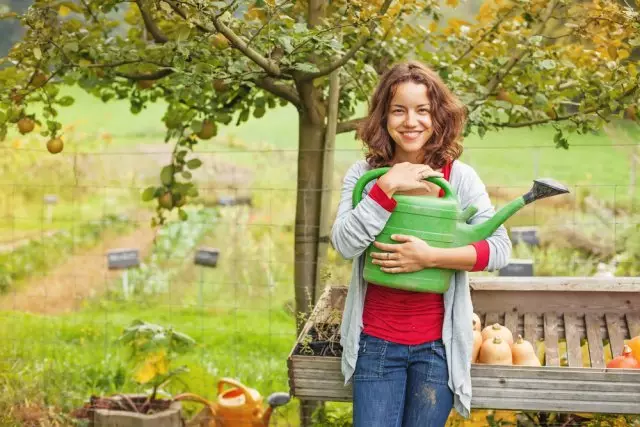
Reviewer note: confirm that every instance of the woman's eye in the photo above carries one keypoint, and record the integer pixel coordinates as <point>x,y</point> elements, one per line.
<point>424,111</point>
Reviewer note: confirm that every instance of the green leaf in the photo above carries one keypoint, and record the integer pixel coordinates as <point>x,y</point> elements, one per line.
<point>186,175</point>
<point>194,164</point>
<point>148,194</point>
<point>286,43</point>
<point>183,33</point>
<point>540,99</point>
<point>306,67</point>
<point>37,53</point>
<point>66,101</point>
<point>548,64</point>
<point>258,112</point>
<point>183,215</point>
<point>166,175</point>
<point>71,47</point>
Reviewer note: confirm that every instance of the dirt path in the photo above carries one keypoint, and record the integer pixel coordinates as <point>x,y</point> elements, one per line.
<point>81,276</point>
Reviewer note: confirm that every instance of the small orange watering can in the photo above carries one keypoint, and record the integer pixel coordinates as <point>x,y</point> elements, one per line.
<point>238,406</point>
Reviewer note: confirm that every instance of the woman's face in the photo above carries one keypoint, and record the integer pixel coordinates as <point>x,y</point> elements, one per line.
<point>409,121</point>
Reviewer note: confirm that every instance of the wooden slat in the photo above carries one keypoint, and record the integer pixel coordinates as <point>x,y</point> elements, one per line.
<point>530,324</point>
<point>633,321</point>
<point>555,405</point>
<point>574,354</point>
<point>551,339</point>
<point>491,318</point>
<point>327,395</point>
<point>616,337</point>
<point>560,284</point>
<point>556,373</point>
<point>327,364</point>
<point>511,323</point>
<point>555,394</point>
<point>574,386</point>
<point>596,351</point>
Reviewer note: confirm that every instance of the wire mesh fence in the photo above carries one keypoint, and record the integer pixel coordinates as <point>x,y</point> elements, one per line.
<point>63,307</point>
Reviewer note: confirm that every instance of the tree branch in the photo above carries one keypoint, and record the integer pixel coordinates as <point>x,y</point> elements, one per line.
<point>150,24</point>
<point>591,110</point>
<point>351,52</point>
<point>349,125</point>
<point>278,89</point>
<point>484,36</point>
<point>501,74</point>
<point>236,41</point>
<point>163,72</point>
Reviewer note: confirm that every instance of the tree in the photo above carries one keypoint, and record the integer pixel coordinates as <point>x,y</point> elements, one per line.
<point>522,63</point>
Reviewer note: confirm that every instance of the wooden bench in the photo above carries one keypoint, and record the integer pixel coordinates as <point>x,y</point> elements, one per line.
<point>575,322</point>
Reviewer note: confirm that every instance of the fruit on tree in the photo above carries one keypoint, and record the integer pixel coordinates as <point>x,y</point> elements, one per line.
<point>26,125</point>
<point>55,145</point>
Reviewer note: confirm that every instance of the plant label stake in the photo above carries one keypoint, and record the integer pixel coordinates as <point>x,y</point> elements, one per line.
<point>123,259</point>
<point>518,267</point>
<point>206,257</point>
<point>50,200</point>
<point>527,235</point>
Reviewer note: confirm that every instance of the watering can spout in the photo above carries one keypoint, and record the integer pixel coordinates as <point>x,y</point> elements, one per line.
<point>542,188</point>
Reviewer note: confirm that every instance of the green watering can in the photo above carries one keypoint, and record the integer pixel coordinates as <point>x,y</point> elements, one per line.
<point>440,223</point>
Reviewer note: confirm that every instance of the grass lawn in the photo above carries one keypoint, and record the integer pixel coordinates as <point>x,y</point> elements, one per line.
<point>238,313</point>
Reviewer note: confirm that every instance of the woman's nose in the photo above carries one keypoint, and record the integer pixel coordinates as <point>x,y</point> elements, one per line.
<point>410,120</point>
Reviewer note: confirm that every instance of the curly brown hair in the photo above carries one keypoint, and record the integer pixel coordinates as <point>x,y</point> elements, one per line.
<point>448,117</point>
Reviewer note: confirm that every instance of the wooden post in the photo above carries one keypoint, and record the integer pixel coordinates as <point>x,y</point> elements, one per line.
<point>327,181</point>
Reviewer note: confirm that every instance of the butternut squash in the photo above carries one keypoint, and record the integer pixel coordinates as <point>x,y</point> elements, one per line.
<point>495,351</point>
<point>477,343</point>
<point>523,353</point>
<point>497,330</point>
<point>477,325</point>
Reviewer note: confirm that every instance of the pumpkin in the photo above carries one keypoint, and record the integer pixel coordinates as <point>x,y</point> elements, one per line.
<point>634,344</point>
<point>477,324</point>
<point>523,353</point>
<point>477,343</point>
<point>497,330</point>
<point>495,351</point>
<point>624,361</point>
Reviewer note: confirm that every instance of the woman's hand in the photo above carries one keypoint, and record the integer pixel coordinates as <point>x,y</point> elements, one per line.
<point>412,254</point>
<point>405,177</point>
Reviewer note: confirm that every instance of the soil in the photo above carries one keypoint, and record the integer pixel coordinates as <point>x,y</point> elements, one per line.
<point>324,341</point>
<point>81,276</point>
<point>124,404</point>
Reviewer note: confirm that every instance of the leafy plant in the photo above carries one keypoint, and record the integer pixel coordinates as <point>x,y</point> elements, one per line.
<point>153,349</point>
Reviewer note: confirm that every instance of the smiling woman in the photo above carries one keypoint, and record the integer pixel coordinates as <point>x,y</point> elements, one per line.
<point>398,346</point>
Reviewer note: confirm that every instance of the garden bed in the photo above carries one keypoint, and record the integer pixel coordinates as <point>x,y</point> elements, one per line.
<point>575,322</point>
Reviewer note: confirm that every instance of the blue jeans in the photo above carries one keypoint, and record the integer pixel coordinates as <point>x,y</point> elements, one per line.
<point>398,385</point>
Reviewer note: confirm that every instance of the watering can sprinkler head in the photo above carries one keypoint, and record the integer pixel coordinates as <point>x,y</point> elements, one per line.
<point>542,188</point>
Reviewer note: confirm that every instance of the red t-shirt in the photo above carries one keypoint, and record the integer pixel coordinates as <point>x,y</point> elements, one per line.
<point>407,317</point>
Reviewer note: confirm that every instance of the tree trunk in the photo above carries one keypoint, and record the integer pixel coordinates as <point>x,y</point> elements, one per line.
<point>311,143</point>
<point>309,195</point>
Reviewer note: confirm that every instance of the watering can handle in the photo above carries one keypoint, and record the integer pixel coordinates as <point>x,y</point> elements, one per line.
<point>237,384</point>
<point>377,173</point>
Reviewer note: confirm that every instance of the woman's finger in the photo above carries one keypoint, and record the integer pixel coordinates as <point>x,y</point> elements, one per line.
<point>392,269</point>
<point>402,238</point>
<point>389,247</point>
<point>386,263</point>
<point>384,255</point>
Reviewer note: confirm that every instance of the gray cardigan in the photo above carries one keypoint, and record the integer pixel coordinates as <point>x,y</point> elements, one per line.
<point>355,229</point>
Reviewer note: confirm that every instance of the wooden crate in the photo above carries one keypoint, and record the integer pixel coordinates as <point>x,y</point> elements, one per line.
<point>560,315</point>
